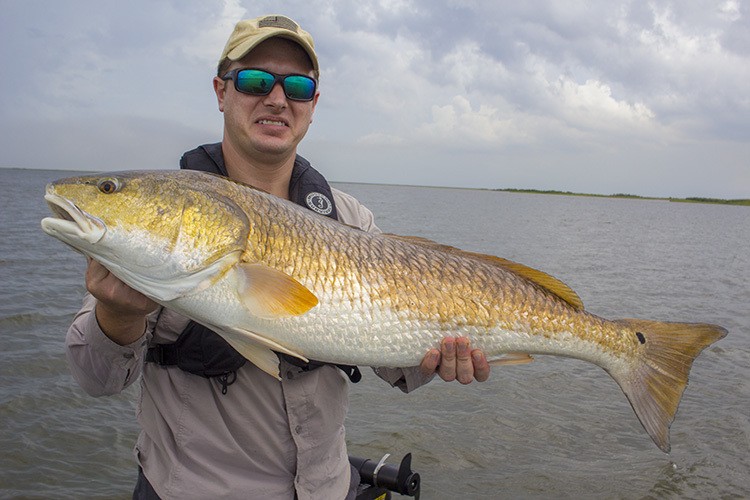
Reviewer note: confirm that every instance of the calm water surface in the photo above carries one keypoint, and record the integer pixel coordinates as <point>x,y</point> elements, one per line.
<point>555,428</point>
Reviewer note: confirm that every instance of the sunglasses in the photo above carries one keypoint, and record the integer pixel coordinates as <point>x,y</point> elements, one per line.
<point>261,82</point>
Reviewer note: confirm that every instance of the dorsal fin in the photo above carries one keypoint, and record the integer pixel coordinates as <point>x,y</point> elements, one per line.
<point>542,279</point>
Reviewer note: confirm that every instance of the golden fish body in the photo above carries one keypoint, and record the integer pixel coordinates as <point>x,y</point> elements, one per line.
<point>270,276</point>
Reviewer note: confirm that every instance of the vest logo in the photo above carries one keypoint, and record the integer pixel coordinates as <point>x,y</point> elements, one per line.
<point>319,202</point>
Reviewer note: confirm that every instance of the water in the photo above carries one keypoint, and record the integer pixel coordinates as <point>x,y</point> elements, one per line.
<point>555,428</point>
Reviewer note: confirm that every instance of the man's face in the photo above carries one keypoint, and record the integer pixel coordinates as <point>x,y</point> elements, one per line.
<point>267,127</point>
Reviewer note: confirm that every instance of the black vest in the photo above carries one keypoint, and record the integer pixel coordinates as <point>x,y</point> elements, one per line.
<point>201,351</point>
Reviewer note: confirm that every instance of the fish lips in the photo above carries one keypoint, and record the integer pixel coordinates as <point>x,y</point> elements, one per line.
<point>71,224</point>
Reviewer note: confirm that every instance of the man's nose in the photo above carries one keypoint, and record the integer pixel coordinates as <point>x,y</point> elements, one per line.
<point>276,97</point>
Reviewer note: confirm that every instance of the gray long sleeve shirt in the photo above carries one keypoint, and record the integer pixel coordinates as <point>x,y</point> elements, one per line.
<point>264,438</point>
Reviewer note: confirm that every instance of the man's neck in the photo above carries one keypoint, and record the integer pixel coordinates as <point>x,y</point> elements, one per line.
<point>271,176</point>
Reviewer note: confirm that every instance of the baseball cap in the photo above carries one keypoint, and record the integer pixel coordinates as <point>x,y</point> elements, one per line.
<point>249,33</point>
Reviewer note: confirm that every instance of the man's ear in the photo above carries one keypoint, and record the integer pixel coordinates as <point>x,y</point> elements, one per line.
<point>220,88</point>
<point>315,103</point>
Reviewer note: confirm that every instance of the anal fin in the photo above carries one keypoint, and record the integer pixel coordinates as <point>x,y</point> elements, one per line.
<point>511,358</point>
<point>257,349</point>
<point>262,357</point>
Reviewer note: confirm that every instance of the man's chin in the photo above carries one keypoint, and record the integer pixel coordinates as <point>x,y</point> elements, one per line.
<point>273,152</point>
<point>275,148</point>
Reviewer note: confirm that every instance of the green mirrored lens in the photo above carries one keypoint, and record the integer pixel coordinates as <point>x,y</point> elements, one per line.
<point>299,87</point>
<point>255,82</point>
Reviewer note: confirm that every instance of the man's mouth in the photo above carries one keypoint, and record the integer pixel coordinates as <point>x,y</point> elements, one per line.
<point>277,123</point>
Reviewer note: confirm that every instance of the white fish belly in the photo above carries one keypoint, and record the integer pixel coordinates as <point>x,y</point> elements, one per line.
<point>360,332</point>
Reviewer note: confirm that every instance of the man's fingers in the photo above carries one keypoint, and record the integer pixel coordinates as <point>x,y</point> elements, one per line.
<point>447,369</point>
<point>430,362</point>
<point>464,363</point>
<point>114,294</point>
<point>456,361</point>
<point>481,366</point>
<point>95,272</point>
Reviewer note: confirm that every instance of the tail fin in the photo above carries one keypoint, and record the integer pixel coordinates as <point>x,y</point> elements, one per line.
<point>654,387</point>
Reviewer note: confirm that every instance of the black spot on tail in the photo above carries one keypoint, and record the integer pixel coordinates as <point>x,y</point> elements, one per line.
<point>641,338</point>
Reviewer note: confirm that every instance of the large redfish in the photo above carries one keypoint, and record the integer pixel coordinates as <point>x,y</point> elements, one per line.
<point>269,276</point>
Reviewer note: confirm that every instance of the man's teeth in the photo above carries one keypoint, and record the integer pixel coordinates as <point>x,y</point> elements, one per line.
<point>271,122</point>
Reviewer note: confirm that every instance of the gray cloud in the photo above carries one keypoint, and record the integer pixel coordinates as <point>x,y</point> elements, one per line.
<point>648,98</point>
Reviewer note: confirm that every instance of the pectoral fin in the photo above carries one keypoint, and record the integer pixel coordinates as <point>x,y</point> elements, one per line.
<point>270,294</point>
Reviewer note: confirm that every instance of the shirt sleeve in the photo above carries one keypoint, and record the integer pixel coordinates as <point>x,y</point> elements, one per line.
<point>406,379</point>
<point>100,366</point>
<point>353,213</point>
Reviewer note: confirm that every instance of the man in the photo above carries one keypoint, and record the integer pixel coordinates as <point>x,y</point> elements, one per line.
<point>213,425</point>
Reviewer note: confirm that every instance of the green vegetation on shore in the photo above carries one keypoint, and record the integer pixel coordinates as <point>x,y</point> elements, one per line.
<point>633,196</point>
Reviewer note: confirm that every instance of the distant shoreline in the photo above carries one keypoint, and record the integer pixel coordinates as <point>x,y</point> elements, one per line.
<point>692,199</point>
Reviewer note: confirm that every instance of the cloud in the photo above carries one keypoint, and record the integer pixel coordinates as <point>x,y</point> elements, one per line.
<point>585,96</point>
<point>591,106</point>
<point>204,39</point>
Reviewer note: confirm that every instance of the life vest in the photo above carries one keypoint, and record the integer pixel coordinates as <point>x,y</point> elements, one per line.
<point>200,350</point>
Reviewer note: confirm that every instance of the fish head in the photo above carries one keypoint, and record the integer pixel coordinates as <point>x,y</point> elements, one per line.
<point>164,233</point>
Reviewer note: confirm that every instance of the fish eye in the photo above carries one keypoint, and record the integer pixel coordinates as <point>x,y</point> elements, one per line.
<point>109,185</point>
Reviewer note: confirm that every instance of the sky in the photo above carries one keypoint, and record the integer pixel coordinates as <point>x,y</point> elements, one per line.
<point>639,97</point>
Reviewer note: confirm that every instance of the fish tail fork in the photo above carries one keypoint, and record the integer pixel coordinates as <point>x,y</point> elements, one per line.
<point>657,380</point>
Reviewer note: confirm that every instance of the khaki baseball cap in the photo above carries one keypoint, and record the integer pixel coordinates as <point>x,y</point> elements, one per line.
<point>249,33</point>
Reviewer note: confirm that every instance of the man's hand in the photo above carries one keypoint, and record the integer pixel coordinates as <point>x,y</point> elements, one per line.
<point>120,310</point>
<point>456,361</point>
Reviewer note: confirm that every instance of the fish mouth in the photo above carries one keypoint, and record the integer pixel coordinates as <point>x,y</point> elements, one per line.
<point>70,223</point>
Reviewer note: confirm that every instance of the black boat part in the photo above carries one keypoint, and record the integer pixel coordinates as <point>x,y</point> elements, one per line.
<point>379,478</point>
